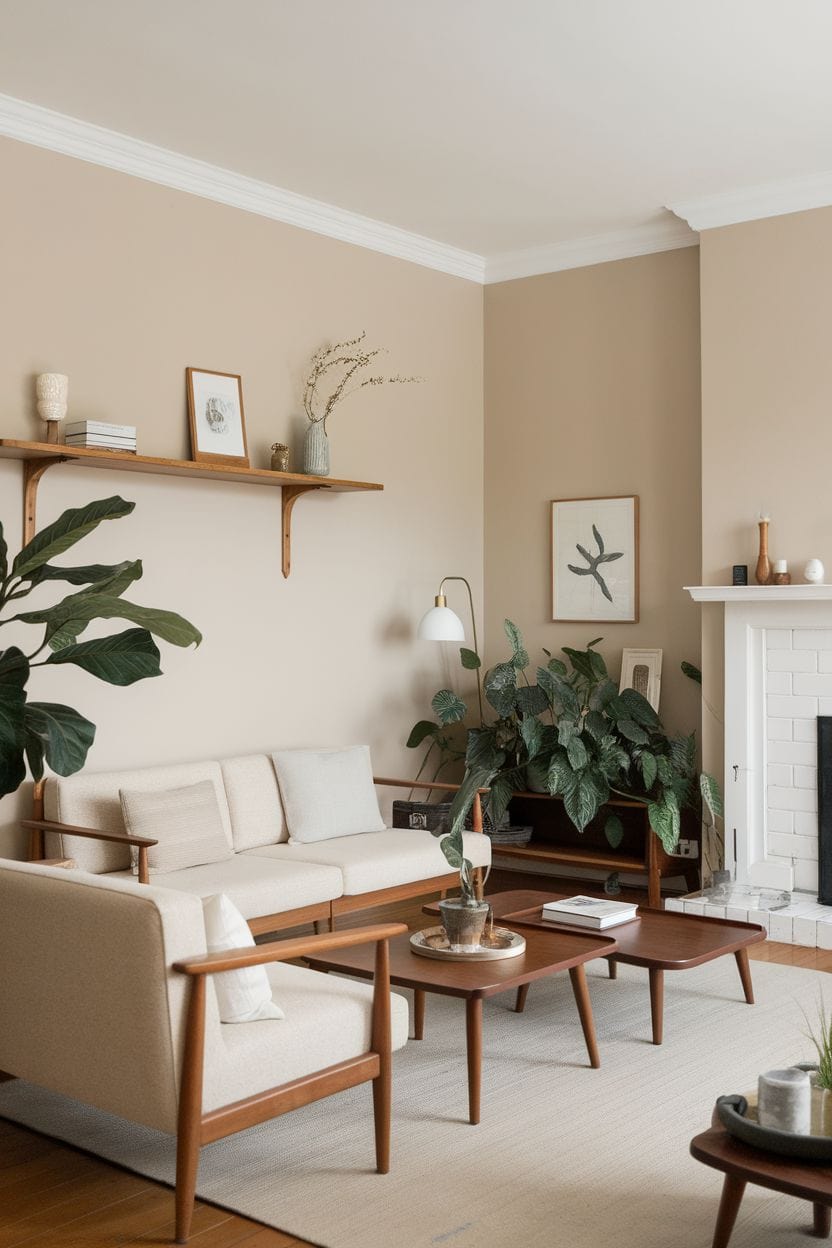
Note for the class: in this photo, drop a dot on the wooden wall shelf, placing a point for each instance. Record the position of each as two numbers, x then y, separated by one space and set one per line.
38 456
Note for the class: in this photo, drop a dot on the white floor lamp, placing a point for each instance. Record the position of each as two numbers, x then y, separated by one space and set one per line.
440 623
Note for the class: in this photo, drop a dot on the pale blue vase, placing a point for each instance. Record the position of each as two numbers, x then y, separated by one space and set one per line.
316 450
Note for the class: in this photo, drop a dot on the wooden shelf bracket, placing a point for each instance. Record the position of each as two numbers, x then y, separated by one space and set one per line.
33 470
289 496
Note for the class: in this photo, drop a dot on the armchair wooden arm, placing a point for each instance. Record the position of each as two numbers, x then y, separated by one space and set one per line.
196 1128
285 950
142 843
476 809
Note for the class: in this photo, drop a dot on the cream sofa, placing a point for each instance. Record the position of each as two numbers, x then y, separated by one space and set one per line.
96 968
274 884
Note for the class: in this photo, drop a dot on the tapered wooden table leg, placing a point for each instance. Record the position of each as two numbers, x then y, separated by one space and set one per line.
822 1221
729 1207
612 967
745 974
419 1014
473 1033
520 1003
657 1003
581 991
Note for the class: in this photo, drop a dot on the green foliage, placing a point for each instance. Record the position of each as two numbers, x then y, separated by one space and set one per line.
691 670
600 743
48 733
822 1040
449 708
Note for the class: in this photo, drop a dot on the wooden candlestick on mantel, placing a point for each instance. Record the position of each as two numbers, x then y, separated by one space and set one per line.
762 573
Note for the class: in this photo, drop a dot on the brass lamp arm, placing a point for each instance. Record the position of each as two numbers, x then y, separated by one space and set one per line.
440 602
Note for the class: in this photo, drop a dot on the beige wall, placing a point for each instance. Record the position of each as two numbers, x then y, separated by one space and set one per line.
766 408
121 284
592 389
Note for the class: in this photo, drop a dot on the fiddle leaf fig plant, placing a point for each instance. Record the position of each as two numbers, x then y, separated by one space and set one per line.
48 733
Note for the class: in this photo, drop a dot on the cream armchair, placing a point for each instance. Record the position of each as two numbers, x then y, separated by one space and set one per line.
91 965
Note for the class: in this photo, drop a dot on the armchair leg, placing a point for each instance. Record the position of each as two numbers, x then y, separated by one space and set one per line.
187 1161
189 1126
382 1096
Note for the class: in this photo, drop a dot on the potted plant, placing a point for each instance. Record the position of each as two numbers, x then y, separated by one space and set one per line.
48 732
599 742
463 917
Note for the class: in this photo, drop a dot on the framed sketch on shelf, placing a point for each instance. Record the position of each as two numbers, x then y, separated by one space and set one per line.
595 559
215 412
642 670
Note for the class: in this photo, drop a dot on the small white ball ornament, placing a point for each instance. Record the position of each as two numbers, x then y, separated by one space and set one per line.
813 573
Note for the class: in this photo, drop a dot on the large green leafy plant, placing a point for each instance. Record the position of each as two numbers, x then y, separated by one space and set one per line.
600 743
48 732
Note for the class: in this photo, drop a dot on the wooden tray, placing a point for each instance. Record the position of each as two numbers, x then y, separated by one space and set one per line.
433 943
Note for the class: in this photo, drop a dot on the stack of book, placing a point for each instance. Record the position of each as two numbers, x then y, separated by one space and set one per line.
102 436
589 912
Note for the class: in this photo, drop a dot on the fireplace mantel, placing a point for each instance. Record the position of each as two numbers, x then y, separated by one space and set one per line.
778 679
760 593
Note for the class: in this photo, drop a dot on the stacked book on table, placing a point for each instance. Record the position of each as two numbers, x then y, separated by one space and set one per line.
102 436
593 912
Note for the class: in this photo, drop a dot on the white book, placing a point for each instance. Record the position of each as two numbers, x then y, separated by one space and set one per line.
101 426
589 911
109 438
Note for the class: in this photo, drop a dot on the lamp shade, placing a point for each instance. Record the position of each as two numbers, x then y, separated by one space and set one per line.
440 624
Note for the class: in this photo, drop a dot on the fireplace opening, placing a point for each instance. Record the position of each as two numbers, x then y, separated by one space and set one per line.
825 810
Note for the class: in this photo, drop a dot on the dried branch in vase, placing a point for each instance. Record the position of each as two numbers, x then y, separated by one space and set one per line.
336 372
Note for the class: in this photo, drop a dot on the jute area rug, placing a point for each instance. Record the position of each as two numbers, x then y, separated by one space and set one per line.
565 1157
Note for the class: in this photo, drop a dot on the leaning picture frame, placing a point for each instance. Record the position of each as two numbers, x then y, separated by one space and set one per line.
215 414
642 670
595 559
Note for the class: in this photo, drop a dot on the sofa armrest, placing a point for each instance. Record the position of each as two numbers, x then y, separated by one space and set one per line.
476 809
142 843
286 950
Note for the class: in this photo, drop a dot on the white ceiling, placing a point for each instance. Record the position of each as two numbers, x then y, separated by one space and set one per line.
493 126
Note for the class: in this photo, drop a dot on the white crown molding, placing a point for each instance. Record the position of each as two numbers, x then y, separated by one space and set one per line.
770 199
642 240
42 127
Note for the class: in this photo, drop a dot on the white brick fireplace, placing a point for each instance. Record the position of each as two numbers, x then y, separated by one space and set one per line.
778 679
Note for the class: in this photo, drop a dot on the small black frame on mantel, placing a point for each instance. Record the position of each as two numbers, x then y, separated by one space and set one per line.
825 810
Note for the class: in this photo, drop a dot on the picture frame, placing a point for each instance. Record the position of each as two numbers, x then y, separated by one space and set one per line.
641 669
595 559
215 414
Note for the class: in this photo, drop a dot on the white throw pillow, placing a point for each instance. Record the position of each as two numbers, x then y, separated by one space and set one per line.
327 793
186 822
243 996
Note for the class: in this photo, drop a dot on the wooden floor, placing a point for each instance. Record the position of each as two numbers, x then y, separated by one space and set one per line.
54 1196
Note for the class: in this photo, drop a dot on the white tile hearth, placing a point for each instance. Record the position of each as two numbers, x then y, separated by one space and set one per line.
802 922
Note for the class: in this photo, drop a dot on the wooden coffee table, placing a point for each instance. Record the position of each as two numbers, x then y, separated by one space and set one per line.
660 940
742 1165
546 953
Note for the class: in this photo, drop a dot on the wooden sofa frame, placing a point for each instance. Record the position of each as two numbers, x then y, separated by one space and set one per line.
325 912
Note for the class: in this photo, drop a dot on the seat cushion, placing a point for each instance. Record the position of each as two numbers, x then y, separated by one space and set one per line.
380 859
186 823
327 793
253 801
328 1020
255 886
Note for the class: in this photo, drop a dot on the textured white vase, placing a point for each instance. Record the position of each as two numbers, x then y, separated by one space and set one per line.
52 390
814 572
316 450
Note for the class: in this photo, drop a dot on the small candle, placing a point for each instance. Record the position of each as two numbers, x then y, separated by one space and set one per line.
781 565
785 1100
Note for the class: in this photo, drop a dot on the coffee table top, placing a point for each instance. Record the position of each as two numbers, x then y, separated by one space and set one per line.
661 939
546 953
